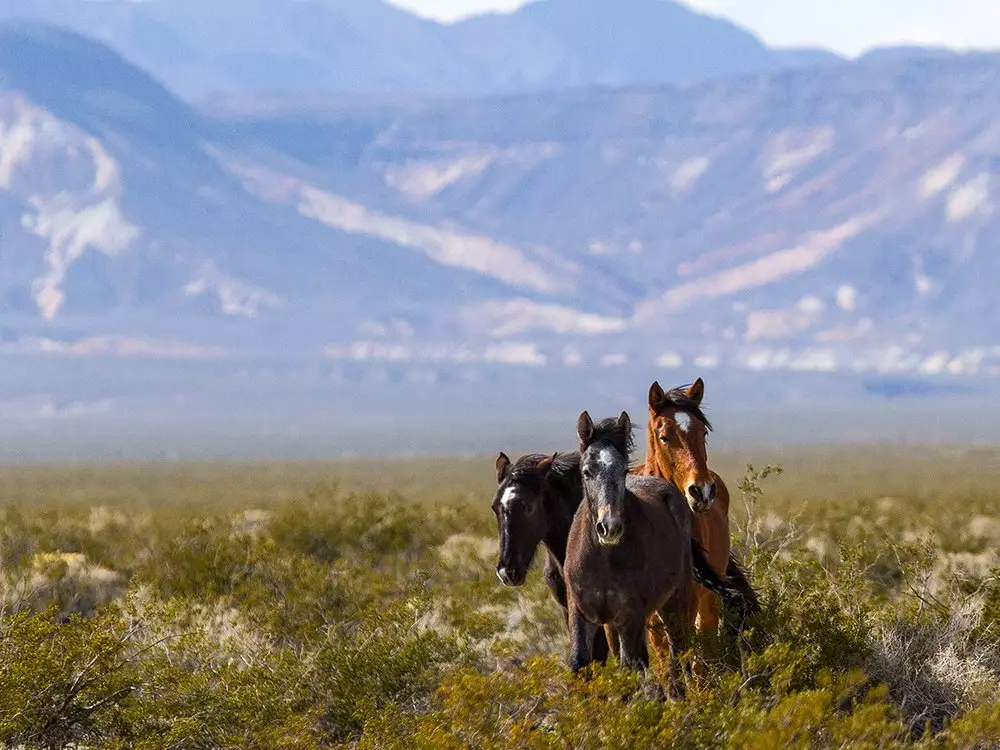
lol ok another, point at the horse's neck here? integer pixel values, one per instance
(563, 495)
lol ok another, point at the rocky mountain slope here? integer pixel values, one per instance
(829, 219)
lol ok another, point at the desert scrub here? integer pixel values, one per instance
(541, 705)
(316, 606)
(66, 580)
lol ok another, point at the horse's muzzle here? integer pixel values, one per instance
(701, 497)
(610, 532)
(510, 577)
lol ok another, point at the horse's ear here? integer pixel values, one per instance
(503, 467)
(546, 463)
(584, 428)
(656, 396)
(697, 391)
(625, 423)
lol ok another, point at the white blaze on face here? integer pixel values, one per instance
(508, 497)
(683, 420)
(606, 457)
(609, 458)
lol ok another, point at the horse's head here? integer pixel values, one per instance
(520, 510)
(678, 430)
(604, 453)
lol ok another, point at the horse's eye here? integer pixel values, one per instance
(664, 439)
(588, 474)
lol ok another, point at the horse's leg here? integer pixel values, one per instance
(658, 636)
(678, 616)
(605, 643)
(632, 637)
(602, 645)
(553, 576)
(707, 609)
(581, 636)
(557, 585)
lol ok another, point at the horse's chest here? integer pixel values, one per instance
(604, 598)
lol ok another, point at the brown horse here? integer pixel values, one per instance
(630, 552)
(676, 451)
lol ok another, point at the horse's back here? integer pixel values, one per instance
(665, 538)
(661, 498)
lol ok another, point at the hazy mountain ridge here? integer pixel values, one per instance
(370, 46)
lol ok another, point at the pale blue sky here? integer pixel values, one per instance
(848, 26)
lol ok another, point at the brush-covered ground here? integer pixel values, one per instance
(355, 605)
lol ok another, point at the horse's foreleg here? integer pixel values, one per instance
(678, 616)
(707, 609)
(632, 638)
(605, 643)
(658, 636)
(553, 576)
(557, 585)
(581, 636)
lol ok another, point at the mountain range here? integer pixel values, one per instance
(372, 47)
(818, 234)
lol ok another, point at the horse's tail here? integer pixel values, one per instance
(738, 577)
(733, 587)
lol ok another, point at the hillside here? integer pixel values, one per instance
(834, 220)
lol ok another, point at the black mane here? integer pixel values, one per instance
(527, 465)
(561, 491)
(608, 431)
(678, 399)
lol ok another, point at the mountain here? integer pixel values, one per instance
(836, 220)
(883, 54)
(369, 46)
(817, 236)
(120, 219)
(555, 44)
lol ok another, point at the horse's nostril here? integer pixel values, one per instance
(712, 490)
(695, 492)
(602, 528)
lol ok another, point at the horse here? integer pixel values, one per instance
(630, 553)
(534, 503)
(676, 451)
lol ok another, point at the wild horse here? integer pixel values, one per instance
(534, 503)
(630, 552)
(676, 450)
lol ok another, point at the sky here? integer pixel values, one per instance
(847, 26)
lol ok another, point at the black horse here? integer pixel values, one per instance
(535, 502)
